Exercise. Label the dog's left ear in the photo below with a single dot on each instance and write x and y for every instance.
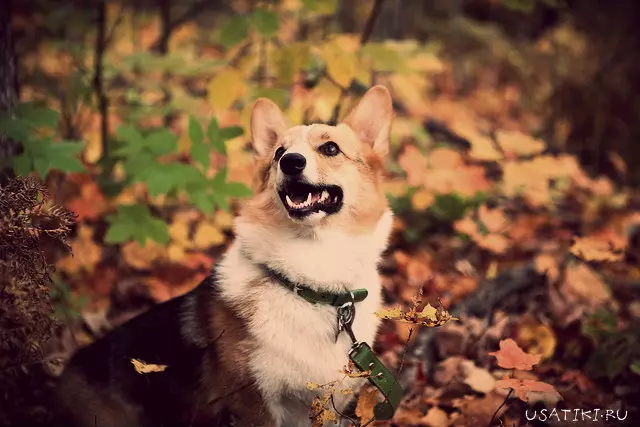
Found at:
(267, 126)
(371, 119)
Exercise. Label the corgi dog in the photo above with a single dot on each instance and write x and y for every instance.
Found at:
(241, 348)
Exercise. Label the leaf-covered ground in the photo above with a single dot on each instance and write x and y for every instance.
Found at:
(495, 221)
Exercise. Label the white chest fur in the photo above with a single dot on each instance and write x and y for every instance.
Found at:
(295, 340)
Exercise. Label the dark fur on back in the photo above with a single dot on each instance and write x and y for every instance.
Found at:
(200, 385)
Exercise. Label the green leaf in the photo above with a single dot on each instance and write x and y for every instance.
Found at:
(219, 179)
(230, 132)
(41, 166)
(236, 190)
(200, 153)
(221, 201)
(119, 232)
(635, 367)
(16, 129)
(129, 135)
(22, 164)
(38, 116)
(200, 196)
(383, 57)
(216, 140)
(195, 131)
(265, 22)
(136, 222)
(233, 31)
(161, 142)
(157, 230)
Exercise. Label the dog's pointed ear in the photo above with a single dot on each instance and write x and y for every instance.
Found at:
(371, 119)
(267, 126)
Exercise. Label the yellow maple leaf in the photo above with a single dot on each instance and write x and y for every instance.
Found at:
(367, 400)
(516, 143)
(146, 368)
(207, 235)
(224, 89)
(342, 65)
(482, 147)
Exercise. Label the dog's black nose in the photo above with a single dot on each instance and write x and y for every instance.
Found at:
(292, 163)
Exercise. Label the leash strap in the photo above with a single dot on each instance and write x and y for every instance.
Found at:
(364, 359)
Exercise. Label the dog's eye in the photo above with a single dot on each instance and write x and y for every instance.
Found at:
(329, 149)
(279, 153)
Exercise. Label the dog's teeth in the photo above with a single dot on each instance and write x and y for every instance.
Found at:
(324, 195)
(308, 199)
(290, 202)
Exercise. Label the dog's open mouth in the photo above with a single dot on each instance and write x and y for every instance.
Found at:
(302, 199)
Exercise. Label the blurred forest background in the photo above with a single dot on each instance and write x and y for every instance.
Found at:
(513, 176)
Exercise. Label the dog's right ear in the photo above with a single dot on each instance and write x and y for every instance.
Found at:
(267, 126)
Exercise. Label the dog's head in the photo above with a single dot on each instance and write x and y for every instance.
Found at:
(320, 175)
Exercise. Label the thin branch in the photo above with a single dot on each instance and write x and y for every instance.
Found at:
(193, 11)
(333, 403)
(98, 84)
(371, 22)
(404, 352)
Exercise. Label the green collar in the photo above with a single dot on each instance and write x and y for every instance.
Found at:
(317, 297)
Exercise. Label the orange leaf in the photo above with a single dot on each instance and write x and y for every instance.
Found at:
(594, 249)
(414, 164)
(366, 402)
(511, 356)
(524, 389)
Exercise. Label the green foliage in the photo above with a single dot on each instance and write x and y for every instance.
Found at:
(66, 305)
(140, 160)
(29, 125)
(264, 21)
(615, 349)
(321, 7)
(136, 222)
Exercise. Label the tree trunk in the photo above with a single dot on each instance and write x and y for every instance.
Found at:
(8, 86)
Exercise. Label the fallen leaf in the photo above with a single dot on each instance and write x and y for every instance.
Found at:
(482, 147)
(414, 164)
(435, 417)
(208, 235)
(422, 199)
(90, 204)
(142, 257)
(576, 377)
(478, 379)
(515, 143)
(367, 400)
(529, 390)
(511, 356)
(478, 411)
(594, 249)
(447, 370)
(146, 368)
(86, 253)
(583, 283)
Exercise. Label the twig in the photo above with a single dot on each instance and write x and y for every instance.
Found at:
(195, 9)
(506, 399)
(371, 22)
(404, 352)
(333, 403)
(98, 84)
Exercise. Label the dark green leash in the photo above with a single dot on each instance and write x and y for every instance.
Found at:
(361, 353)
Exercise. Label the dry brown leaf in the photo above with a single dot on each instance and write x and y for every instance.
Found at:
(478, 411)
(594, 249)
(146, 368)
(142, 257)
(435, 417)
(482, 147)
(367, 400)
(208, 235)
(414, 164)
(515, 143)
(585, 284)
(478, 379)
(511, 356)
(529, 390)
